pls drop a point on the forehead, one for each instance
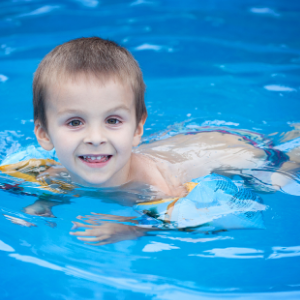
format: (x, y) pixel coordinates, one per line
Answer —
(88, 92)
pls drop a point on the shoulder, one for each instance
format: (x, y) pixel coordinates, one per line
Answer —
(157, 173)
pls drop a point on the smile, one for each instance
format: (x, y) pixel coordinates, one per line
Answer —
(95, 160)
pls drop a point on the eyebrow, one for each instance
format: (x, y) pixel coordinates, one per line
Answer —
(119, 107)
(75, 111)
(65, 111)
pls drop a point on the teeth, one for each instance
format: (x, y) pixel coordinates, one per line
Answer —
(85, 157)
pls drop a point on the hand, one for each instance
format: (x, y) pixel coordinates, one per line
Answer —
(95, 217)
(107, 233)
(39, 208)
(55, 172)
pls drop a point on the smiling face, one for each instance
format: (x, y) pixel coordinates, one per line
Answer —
(92, 126)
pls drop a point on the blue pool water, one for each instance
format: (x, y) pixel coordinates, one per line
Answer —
(206, 63)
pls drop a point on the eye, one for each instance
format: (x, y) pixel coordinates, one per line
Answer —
(75, 123)
(113, 121)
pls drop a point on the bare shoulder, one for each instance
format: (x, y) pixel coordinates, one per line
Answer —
(181, 144)
(157, 173)
(194, 155)
(199, 138)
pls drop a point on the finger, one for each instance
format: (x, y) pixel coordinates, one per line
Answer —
(98, 217)
(86, 217)
(93, 239)
(91, 233)
(88, 239)
(103, 215)
(108, 217)
(87, 232)
(90, 217)
(78, 233)
(100, 243)
(78, 225)
(93, 222)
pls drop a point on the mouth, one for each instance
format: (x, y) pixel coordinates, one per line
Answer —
(95, 159)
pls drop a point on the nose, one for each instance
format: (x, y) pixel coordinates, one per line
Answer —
(95, 136)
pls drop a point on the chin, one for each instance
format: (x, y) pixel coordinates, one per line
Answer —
(96, 182)
(91, 181)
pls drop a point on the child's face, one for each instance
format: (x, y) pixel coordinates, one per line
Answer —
(92, 126)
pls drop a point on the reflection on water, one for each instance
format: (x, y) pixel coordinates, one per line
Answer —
(222, 64)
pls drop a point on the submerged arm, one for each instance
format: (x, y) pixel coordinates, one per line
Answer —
(107, 232)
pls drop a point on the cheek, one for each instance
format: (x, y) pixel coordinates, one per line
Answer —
(64, 142)
(123, 141)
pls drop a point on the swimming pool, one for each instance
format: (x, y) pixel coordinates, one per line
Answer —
(233, 64)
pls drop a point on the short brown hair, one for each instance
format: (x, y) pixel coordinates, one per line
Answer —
(95, 56)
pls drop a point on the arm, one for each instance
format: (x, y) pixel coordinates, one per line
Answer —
(107, 232)
(287, 178)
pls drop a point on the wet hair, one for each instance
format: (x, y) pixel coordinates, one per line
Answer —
(94, 56)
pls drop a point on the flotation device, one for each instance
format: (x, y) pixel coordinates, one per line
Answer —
(214, 201)
(21, 165)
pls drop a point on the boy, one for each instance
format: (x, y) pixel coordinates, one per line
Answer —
(89, 105)
(88, 97)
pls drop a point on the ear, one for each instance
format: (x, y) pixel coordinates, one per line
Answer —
(139, 131)
(42, 137)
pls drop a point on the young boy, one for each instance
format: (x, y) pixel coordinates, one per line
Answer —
(88, 97)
